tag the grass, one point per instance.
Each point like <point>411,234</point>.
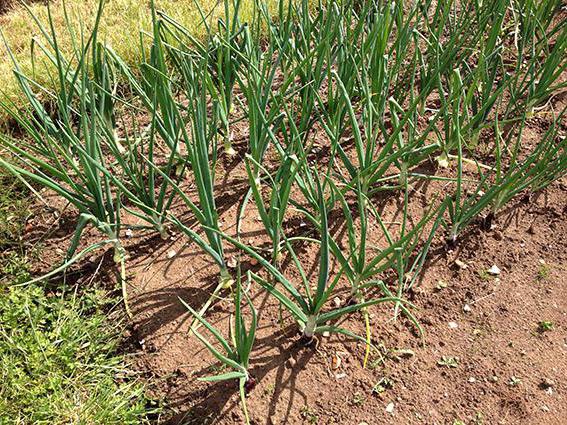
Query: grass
<point>384,91</point>
<point>122,19</point>
<point>59,360</point>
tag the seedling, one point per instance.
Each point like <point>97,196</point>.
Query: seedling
<point>236,353</point>
<point>448,361</point>
<point>545,326</point>
<point>543,272</point>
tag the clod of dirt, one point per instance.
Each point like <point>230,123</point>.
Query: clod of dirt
<point>546,383</point>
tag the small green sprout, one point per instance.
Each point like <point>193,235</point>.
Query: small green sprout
<point>382,385</point>
<point>309,414</point>
<point>448,361</point>
<point>543,272</point>
<point>544,326</point>
<point>358,399</point>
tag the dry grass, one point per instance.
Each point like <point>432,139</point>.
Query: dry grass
<point>120,28</point>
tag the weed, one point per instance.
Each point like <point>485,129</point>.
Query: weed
<point>448,361</point>
<point>544,326</point>
<point>543,272</point>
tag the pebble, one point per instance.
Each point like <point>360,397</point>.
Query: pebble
<point>337,301</point>
<point>461,264</point>
<point>453,325</point>
<point>231,262</point>
<point>467,308</point>
<point>545,408</point>
<point>390,408</point>
<point>129,233</point>
<point>171,254</point>
<point>326,334</point>
<point>494,270</point>
<point>472,380</point>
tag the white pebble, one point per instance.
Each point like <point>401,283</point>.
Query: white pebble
<point>494,270</point>
<point>390,408</point>
<point>453,325</point>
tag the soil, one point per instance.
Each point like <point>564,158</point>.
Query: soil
<point>484,356</point>
<point>507,370</point>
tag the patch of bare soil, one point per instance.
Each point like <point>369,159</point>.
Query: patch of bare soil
<point>484,358</point>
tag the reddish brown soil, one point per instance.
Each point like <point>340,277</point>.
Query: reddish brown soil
<point>503,361</point>
<point>507,370</point>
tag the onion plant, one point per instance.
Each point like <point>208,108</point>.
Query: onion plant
<point>235,352</point>
<point>307,307</point>
<point>65,152</point>
<point>221,47</point>
<point>273,213</point>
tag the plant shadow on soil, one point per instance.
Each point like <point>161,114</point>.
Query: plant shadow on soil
<point>172,360</point>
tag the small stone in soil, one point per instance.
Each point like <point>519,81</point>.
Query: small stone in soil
<point>171,254</point>
<point>337,301</point>
<point>390,408</point>
<point>461,264</point>
<point>453,325</point>
<point>467,308</point>
<point>494,270</point>
<point>231,262</point>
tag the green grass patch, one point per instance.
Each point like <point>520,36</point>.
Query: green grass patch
<point>58,361</point>
<point>58,349</point>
